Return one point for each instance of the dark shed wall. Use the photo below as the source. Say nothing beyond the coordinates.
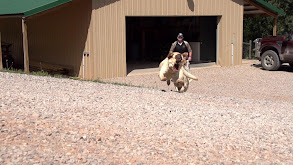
(10, 29)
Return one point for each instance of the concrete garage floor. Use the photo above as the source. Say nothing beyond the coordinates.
(246, 81)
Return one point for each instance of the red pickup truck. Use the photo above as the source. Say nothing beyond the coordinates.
(275, 50)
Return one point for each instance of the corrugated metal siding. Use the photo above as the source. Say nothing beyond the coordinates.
(11, 33)
(60, 37)
(108, 38)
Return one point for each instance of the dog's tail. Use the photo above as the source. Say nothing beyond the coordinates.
(189, 75)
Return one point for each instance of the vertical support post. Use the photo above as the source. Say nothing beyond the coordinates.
(1, 66)
(250, 48)
(83, 66)
(275, 26)
(25, 45)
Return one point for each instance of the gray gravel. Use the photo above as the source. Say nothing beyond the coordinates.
(245, 81)
(46, 120)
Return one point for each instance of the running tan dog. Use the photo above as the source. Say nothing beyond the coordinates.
(172, 69)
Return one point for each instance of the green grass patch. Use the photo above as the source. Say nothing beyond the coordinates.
(13, 71)
(74, 78)
(124, 84)
(38, 73)
(58, 76)
(115, 83)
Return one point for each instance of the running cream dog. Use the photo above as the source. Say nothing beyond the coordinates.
(172, 68)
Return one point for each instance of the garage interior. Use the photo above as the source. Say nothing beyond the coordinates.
(148, 39)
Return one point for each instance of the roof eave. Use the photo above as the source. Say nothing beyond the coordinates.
(45, 7)
(17, 15)
(270, 7)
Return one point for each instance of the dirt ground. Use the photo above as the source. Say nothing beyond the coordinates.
(232, 115)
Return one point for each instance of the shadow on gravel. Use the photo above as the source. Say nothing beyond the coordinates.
(283, 68)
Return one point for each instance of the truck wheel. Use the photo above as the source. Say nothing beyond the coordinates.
(270, 60)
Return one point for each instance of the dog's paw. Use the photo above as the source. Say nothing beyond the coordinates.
(168, 82)
(163, 78)
(181, 82)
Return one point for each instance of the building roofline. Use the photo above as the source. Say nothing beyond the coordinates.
(270, 7)
(45, 7)
(33, 11)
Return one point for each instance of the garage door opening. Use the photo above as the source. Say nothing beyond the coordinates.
(148, 39)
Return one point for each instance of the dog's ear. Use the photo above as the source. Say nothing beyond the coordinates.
(185, 55)
(170, 55)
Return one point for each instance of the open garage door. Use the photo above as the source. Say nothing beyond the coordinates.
(148, 39)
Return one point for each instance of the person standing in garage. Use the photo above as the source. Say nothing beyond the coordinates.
(182, 46)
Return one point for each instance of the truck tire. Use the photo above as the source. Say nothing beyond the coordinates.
(270, 60)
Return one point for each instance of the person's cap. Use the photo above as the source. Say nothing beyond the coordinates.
(180, 35)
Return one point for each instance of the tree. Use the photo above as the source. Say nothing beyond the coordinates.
(263, 26)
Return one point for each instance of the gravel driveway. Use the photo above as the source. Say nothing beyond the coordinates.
(245, 81)
(47, 120)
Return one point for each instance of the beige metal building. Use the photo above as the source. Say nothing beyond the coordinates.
(95, 38)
